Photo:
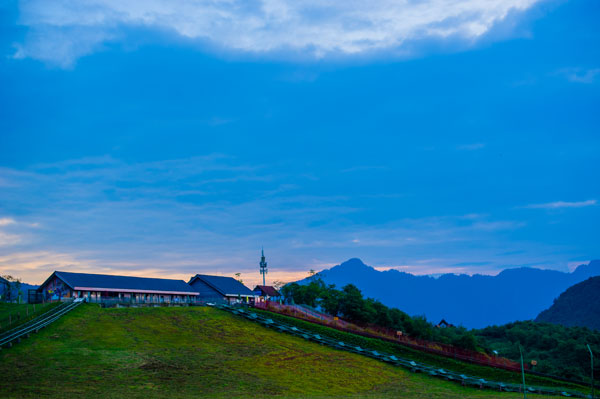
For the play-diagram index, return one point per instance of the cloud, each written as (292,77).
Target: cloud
(471,147)
(7,221)
(211,214)
(60,31)
(7,239)
(365,168)
(562,204)
(580,75)
(13,232)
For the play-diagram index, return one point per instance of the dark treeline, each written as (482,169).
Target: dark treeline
(350,304)
(556,349)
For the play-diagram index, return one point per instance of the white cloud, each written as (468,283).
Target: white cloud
(563,204)
(7,239)
(580,75)
(471,147)
(63,30)
(6,221)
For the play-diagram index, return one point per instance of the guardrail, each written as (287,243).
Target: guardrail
(391,359)
(7,338)
(389,335)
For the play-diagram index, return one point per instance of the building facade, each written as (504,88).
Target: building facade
(107,288)
(267,293)
(221,289)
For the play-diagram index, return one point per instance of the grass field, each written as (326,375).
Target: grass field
(197,352)
(12,314)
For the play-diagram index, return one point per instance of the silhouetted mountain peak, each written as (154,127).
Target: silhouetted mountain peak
(473,301)
(579,306)
(353,263)
(589,270)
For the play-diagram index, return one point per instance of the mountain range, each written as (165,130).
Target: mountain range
(577,306)
(472,301)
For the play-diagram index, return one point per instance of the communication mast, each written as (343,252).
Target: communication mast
(263,265)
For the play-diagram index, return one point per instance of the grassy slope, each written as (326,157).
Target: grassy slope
(184,352)
(427,358)
(20,313)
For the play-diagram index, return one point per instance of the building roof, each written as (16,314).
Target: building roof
(107,282)
(226,286)
(267,290)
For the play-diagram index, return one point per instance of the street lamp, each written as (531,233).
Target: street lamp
(592,360)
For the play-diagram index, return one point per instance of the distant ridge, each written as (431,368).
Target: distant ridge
(578,306)
(472,301)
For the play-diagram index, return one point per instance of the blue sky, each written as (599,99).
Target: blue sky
(173,138)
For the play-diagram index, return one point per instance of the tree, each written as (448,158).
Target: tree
(420,328)
(237,277)
(382,315)
(354,307)
(11,284)
(330,300)
(288,291)
(278,284)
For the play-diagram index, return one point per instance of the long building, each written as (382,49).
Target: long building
(105,287)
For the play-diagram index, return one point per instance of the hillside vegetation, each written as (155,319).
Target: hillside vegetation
(577,306)
(558,350)
(196,352)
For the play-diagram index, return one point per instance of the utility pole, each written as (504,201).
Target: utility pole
(523,373)
(592,360)
(263,265)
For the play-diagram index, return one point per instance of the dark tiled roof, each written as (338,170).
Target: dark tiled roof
(123,282)
(224,285)
(267,290)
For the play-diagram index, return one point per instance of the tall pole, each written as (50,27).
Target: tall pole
(263,265)
(523,373)
(592,360)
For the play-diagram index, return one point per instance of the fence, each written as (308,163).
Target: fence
(16,334)
(391,335)
(303,313)
(18,314)
(391,359)
(133,302)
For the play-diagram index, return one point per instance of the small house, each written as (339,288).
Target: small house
(444,324)
(221,289)
(267,293)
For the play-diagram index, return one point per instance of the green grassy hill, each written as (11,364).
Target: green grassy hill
(197,352)
(12,314)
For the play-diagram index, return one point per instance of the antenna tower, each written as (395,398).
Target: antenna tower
(263,265)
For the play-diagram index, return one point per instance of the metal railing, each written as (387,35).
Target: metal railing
(110,302)
(387,334)
(405,363)
(7,338)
